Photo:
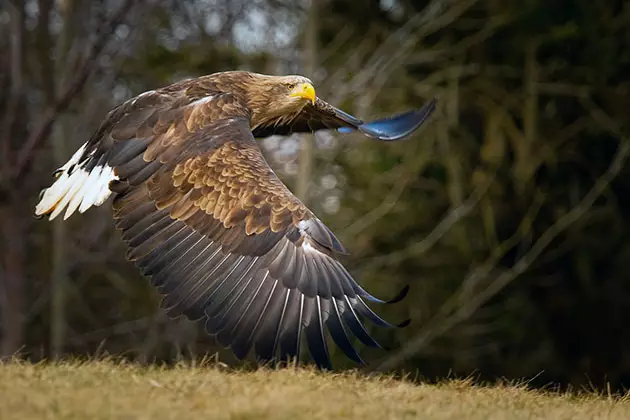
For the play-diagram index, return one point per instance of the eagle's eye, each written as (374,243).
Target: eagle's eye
(291,85)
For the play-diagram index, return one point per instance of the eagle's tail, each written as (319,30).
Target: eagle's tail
(81,183)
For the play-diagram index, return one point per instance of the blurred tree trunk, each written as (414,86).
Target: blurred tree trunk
(492,154)
(61,132)
(527,161)
(12,292)
(451,156)
(59,272)
(307,149)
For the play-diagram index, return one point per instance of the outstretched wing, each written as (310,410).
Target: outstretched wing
(322,115)
(223,238)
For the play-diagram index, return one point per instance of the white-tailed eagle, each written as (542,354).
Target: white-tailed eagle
(203,214)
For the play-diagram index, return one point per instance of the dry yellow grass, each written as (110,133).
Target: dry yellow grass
(104,390)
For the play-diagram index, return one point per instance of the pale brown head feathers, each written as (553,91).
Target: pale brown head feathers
(278,98)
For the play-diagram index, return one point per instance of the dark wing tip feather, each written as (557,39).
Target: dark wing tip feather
(396,127)
(365,294)
(400,296)
(404,324)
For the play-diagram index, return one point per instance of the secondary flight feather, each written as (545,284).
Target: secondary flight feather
(203,214)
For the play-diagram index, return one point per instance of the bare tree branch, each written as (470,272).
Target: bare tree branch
(447,222)
(378,212)
(42,130)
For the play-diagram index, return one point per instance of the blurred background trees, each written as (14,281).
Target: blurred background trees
(507,215)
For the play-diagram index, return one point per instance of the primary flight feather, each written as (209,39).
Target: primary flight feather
(203,214)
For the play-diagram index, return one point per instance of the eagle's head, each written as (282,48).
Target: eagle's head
(300,90)
(279,98)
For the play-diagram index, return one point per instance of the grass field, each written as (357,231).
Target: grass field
(103,390)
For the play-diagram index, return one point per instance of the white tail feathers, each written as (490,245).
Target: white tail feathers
(76,188)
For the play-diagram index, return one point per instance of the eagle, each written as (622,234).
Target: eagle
(205,217)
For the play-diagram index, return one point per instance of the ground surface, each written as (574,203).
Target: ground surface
(103,390)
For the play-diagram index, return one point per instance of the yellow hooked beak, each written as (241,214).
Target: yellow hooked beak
(305,91)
